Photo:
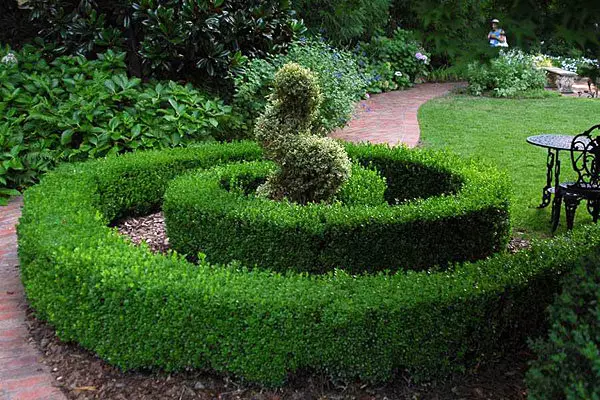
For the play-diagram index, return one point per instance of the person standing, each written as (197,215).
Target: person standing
(497,36)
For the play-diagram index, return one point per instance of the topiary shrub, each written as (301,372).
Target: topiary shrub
(339,75)
(568,360)
(310,168)
(139,310)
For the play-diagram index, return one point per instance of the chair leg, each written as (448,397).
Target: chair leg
(595,209)
(571,203)
(555,214)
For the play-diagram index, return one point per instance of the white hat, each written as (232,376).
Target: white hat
(495,20)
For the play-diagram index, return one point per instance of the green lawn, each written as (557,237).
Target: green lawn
(496,129)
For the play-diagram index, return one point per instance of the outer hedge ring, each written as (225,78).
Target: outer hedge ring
(470,224)
(139,310)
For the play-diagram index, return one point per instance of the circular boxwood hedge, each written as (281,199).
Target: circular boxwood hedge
(136,309)
(467,221)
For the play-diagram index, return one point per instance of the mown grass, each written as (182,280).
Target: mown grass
(495,130)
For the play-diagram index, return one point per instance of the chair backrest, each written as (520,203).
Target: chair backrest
(585,157)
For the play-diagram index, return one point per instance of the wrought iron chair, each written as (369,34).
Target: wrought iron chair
(585,158)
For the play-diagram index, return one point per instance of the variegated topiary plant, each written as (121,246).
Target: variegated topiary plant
(310,168)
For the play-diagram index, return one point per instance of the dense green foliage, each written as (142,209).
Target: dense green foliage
(139,310)
(365,187)
(567,364)
(399,59)
(170,39)
(72,109)
(310,168)
(508,75)
(344,21)
(495,130)
(467,220)
(337,73)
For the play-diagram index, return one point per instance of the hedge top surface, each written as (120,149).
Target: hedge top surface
(140,310)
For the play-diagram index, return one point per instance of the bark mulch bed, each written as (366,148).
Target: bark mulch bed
(82,375)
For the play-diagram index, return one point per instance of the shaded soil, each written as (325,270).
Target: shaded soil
(82,375)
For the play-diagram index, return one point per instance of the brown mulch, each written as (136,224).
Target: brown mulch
(81,375)
(149,229)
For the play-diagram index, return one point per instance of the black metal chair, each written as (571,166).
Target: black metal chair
(585,158)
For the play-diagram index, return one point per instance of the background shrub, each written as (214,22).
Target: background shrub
(467,220)
(170,39)
(139,310)
(508,75)
(406,58)
(72,109)
(567,364)
(344,21)
(337,72)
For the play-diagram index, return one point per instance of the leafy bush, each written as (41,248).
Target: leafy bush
(73,109)
(338,75)
(344,21)
(567,364)
(311,168)
(467,220)
(508,75)
(402,52)
(139,310)
(170,38)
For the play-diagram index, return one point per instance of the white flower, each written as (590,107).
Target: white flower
(398,73)
(10,58)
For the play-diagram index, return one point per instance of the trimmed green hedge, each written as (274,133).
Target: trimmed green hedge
(203,214)
(140,310)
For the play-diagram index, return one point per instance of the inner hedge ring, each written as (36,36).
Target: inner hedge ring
(140,310)
(469,221)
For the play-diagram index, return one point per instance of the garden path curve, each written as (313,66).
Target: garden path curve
(384,118)
(391,117)
(22,375)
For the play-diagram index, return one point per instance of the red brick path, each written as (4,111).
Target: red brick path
(391,117)
(22,376)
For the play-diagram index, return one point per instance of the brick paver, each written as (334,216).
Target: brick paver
(22,376)
(391,117)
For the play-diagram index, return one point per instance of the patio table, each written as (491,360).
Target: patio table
(554,144)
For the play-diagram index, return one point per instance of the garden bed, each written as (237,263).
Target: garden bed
(139,310)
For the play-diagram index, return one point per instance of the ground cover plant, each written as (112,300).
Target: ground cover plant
(495,130)
(71,109)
